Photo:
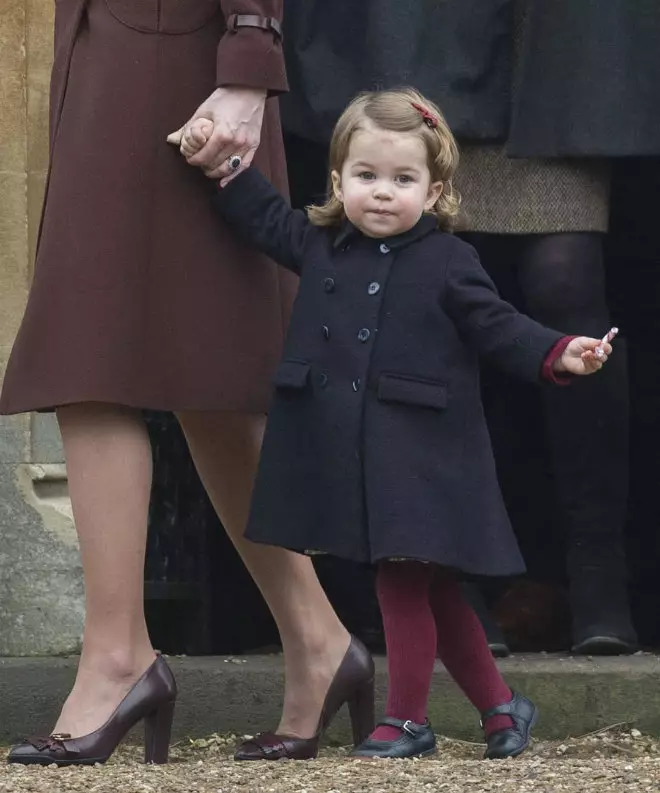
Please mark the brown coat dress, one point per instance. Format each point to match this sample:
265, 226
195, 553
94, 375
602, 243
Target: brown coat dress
141, 295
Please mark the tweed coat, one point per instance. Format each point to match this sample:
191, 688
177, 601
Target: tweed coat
140, 296
376, 445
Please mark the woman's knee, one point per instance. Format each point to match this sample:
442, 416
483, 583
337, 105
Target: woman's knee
563, 280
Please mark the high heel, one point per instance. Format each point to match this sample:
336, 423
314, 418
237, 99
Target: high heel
361, 708
157, 733
353, 684
151, 699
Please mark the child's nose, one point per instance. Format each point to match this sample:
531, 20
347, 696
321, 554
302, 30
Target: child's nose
382, 190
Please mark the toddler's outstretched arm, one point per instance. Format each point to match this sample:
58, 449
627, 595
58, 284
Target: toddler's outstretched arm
508, 339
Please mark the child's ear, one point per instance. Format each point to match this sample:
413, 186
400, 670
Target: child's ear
336, 186
435, 191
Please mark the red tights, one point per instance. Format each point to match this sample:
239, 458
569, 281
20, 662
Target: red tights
424, 613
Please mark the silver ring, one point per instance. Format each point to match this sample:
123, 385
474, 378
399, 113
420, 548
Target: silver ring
235, 162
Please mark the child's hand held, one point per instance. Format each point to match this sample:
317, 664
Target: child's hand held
192, 137
583, 355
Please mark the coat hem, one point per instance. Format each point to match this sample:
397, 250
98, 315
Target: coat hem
470, 570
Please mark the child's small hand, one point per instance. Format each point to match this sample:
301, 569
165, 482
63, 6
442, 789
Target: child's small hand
192, 137
581, 356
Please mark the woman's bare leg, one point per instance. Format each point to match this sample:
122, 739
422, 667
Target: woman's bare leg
225, 448
109, 467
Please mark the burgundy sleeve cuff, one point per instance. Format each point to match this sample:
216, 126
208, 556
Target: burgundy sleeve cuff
547, 372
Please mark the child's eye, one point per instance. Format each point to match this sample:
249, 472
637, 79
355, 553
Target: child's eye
366, 175
405, 179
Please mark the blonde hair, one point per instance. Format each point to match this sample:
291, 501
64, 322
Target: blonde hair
394, 110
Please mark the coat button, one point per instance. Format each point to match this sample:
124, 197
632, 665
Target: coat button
329, 284
326, 332
374, 288
356, 384
384, 248
323, 379
363, 334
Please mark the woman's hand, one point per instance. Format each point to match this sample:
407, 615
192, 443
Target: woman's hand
228, 123
581, 356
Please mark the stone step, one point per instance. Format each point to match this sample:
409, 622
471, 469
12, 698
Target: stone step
243, 695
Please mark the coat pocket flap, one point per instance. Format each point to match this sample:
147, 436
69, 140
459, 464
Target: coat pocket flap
292, 374
410, 391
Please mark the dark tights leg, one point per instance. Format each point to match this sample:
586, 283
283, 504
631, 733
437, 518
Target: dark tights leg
562, 280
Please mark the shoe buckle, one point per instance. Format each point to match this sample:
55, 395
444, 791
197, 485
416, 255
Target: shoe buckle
407, 728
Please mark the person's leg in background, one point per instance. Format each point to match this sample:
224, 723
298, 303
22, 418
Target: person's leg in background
563, 282
510, 610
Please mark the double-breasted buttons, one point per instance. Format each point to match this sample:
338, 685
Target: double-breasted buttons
326, 332
329, 284
384, 248
374, 288
323, 379
356, 384
363, 334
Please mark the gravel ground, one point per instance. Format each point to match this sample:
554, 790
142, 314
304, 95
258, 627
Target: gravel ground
616, 759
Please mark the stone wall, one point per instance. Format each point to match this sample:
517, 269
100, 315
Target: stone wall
41, 607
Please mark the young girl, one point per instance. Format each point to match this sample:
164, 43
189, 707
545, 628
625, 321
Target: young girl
376, 448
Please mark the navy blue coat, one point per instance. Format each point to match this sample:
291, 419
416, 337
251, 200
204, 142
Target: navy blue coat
376, 444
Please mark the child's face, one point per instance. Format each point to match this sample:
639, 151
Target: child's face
385, 184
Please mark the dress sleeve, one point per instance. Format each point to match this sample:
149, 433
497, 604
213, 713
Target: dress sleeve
500, 333
250, 51
262, 217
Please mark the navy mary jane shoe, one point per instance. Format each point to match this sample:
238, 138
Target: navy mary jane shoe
416, 740
514, 740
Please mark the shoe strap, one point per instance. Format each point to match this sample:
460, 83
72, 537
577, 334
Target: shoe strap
405, 725
506, 709
270, 745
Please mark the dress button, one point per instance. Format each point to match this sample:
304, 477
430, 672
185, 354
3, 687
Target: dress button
374, 288
323, 379
363, 334
356, 384
384, 248
326, 332
329, 284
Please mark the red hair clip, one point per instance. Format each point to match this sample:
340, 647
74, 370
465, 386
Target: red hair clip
429, 119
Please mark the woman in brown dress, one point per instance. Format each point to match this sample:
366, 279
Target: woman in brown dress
147, 302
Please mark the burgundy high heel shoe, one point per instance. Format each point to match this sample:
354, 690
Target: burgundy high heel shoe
353, 684
151, 699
